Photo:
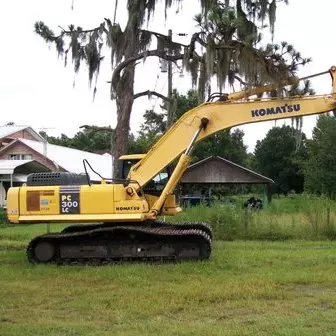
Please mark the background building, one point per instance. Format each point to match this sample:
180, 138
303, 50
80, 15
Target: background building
24, 151
214, 171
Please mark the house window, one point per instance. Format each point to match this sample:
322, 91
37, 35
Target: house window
14, 156
20, 156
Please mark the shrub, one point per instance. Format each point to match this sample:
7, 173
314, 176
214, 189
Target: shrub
297, 217
3, 217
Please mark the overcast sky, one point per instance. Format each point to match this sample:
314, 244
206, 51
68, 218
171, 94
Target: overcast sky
37, 90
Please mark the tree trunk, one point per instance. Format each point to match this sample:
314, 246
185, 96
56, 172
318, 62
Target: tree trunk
124, 87
124, 102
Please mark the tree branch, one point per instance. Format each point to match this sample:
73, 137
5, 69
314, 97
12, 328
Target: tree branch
97, 128
163, 36
240, 80
158, 53
68, 32
196, 38
150, 93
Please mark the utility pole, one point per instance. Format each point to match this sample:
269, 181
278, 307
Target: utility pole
170, 110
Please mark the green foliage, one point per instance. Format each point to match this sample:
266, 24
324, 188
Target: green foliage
90, 140
320, 169
300, 217
154, 123
228, 144
279, 157
184, 103
3, 217
141, 143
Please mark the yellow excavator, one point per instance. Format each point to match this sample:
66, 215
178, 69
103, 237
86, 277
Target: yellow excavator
118, 218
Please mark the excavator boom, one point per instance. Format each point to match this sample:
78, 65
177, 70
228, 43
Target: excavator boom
223, 115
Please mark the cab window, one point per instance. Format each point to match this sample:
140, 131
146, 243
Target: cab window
154, 186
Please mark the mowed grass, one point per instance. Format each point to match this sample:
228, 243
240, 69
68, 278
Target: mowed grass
246, 288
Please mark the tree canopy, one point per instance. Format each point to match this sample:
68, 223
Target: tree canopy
228, 144
321, 164
279, 157
89, 139
226, 45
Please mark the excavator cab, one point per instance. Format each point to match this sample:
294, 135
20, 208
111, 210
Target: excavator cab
128, 161
155, 186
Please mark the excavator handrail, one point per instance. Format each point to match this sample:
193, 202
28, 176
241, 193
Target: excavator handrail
271, 87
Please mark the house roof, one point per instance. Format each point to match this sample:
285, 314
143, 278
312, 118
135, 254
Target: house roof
216, 169
8, 167
8, 130
72, 159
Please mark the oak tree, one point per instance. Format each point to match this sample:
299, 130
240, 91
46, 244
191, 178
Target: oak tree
226, 45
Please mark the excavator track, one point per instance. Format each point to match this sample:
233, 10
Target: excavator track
105, 244
152, 224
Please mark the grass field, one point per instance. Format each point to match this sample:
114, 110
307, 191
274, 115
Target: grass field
246, 288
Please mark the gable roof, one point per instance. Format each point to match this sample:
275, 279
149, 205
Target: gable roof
69, 158
216, 169
72, 159
8, 130
8, 167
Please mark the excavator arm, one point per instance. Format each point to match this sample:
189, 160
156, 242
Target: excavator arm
236, 110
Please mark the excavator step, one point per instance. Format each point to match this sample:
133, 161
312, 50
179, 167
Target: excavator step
121, 243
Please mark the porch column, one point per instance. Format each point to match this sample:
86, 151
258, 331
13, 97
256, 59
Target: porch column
1, 194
